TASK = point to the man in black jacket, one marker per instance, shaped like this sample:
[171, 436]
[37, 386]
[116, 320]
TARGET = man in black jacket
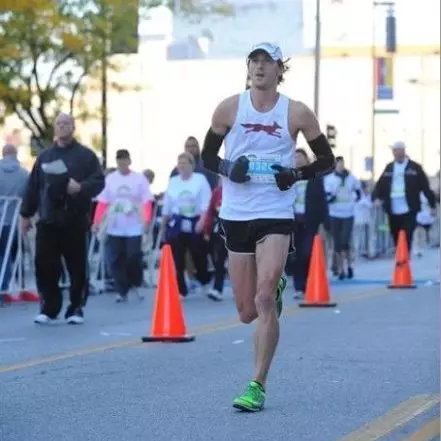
[310, 211]
[63, 181]
[399, 189]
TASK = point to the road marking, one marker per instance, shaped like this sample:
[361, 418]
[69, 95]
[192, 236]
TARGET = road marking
[427, 433]
[12, 339]
[115, 334]
[197, 330]
[397, 417]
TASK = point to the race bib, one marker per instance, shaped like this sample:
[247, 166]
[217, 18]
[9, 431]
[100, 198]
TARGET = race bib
[260, 170]
[300, 188]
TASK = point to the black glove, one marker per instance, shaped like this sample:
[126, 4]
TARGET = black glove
[285, 177]
[236, 170]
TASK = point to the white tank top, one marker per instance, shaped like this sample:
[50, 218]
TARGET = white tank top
[265, 139]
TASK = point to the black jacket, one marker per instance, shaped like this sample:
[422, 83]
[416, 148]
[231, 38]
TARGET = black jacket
[316, 206]
[46, 193]
[415, 182]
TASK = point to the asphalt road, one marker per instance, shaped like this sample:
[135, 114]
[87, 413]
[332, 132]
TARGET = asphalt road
[367, 370]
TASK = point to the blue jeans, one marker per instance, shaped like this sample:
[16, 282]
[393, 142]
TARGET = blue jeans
[125, 257]
[6, 230]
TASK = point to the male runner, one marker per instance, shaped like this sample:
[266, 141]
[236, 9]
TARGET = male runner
[259, 128]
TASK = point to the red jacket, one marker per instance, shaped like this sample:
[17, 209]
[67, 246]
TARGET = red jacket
[213, 210]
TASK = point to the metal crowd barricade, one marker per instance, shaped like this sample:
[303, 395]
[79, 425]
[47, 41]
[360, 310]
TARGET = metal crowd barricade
[10, 242]
[14, 286]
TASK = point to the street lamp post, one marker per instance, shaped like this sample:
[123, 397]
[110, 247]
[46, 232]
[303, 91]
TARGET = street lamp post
[390, 48]
[317, 57]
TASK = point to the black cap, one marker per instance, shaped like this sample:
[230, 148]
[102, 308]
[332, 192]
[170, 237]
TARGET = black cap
[122, 154]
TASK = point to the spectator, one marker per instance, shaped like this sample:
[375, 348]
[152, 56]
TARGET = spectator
[217, 242]
[13, 179]
[150, 175]
[424, 220]
[185, 205]
[399, 188]
[341, 187]
[310, 210]
[362, 222]
[127, 203]
[64, 180]
[192, 147]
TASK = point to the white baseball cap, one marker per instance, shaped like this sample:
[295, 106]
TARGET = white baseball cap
[271, 49]
[398, 145]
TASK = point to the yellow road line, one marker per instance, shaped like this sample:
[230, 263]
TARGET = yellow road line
[198, 330]
[427, 433]
[397, 417]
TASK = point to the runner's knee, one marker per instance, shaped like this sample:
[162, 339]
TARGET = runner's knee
[247, 314]
[266, 289]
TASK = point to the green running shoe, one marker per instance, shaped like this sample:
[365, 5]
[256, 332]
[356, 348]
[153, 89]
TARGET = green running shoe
[279, 298]
[252, 400]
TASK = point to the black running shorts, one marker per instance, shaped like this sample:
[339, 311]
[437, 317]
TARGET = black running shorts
[243, 236]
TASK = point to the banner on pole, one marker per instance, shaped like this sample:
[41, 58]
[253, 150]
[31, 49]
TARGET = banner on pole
[384, 77]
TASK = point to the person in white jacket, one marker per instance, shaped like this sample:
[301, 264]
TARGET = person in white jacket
[424, 220]
[184, 210]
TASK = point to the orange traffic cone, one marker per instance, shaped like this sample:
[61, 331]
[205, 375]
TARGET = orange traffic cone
[402, 276]
[317, 286]
[168, 323]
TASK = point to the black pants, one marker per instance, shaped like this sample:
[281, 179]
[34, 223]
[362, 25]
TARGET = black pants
[341, 230]
[220, 254]
[53, 243]
[198, 250]
[406, 222]
[303, 240]
[125, 261]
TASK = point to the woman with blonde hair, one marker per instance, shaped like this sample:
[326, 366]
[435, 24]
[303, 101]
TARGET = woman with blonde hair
[186, 202]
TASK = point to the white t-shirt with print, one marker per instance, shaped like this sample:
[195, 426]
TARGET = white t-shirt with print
[344, 192]
[126, 196]
[187, 197]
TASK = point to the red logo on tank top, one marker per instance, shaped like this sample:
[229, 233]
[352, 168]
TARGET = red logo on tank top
[269, 130]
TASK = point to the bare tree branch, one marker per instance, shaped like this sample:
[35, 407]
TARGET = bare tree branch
[75, 90]
[56, 66]
[23, 118]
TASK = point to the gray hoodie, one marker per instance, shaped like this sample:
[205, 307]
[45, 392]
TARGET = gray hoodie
[13, 180]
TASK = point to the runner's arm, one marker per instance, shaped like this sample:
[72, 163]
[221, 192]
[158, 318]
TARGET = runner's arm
[318, 143]
[220, 125]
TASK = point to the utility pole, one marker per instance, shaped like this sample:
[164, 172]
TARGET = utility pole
[317, 58]
[104, 54]
[104, 109]
[390, 46]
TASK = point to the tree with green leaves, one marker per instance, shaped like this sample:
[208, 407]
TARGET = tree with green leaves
[48, 47]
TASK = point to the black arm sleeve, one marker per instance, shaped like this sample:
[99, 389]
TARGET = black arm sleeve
[325, 159]
[31, 195]
[94, 183]
[209, 155]
[425, 188]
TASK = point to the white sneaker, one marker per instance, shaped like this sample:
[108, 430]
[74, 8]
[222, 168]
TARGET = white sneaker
[214, 295]
[121, 299]
[75, 319]
[43, 319]
[202, 289]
